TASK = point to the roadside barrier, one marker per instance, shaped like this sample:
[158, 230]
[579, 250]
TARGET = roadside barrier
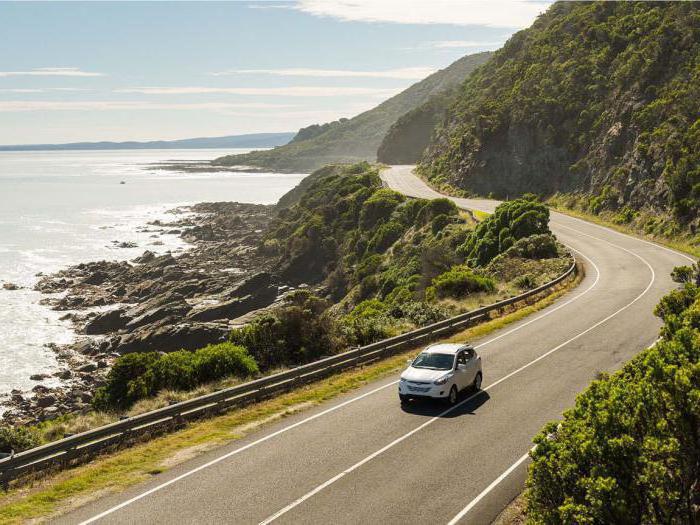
[81, 447]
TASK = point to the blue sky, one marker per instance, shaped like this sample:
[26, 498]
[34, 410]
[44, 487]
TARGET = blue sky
[164, 70]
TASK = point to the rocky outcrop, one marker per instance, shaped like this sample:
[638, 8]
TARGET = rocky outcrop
[155, 302]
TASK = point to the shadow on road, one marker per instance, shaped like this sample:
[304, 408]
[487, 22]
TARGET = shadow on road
[435, 407]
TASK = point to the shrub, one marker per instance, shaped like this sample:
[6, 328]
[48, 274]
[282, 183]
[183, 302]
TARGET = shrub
[297, 332]
[543, 246]
[525, 282]
[628, 450]
[17, 438]
[510, 222]
[460, 281]
[379, 207]
[140, 375]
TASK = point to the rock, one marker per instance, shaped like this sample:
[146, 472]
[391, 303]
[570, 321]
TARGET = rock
[125, 244]
[87, 367]
[257, 284]
[106, 322]
[86, 397]
[10, 286]
[235, 307]
[102, 364]
[64, 374]
[147, 256]
[96, 278]
[40, 389]
[45, 401]
[175, 309]
[170, 337]
[39, 377]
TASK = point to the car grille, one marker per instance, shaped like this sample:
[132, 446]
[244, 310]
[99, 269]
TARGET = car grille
[417, 386]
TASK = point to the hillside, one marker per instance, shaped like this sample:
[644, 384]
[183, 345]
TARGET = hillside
[597, 99]
[251, 140]
[358, 138]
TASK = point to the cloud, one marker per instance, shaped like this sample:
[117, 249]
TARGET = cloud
[461, 44]
[492, 13]
[291, 91]
[43, 105]
[406, 73]
[51, 72]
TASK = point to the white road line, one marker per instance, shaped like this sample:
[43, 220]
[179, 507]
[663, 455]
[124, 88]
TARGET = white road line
[488, 489]
[357, 465]
[232, 453]
[332, 409]
[500, 478]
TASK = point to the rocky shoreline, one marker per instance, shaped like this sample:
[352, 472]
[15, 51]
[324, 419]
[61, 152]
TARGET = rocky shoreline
[153, 303]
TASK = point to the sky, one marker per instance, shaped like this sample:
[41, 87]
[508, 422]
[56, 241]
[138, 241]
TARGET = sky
[91, 71]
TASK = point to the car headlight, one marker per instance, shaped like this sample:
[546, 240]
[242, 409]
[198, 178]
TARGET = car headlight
[442, 380]
[402, 380]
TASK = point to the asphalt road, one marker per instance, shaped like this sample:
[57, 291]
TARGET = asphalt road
[363, 459]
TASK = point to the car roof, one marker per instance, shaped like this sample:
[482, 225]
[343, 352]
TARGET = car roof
[447, 348]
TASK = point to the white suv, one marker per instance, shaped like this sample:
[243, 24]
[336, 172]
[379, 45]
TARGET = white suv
[441, 371]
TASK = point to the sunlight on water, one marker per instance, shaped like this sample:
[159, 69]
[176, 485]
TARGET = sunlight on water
[61, 208]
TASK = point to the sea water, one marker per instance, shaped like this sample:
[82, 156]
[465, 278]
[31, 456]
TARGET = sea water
[65, 207]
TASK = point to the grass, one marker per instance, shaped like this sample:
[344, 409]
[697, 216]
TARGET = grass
[61, 492]
[680, 243]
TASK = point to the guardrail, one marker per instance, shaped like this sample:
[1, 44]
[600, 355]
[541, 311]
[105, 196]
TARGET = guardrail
[82, 446]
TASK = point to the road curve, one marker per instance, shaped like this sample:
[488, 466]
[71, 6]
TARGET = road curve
[363, 459]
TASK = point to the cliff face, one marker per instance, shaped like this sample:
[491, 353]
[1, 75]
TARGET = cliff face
[355, 139]
[601, 98]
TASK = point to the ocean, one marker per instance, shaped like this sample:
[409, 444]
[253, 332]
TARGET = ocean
[65, 207]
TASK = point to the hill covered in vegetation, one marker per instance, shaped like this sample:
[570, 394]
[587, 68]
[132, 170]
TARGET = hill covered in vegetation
[600, 99]
[355, 139]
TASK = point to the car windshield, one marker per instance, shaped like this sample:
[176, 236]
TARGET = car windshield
[433, 361]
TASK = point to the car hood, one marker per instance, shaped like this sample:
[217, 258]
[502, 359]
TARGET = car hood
[422, 374]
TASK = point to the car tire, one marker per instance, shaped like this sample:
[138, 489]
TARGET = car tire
[476, 386]
[451, 398]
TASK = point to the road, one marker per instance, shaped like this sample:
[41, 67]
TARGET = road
[363, 459]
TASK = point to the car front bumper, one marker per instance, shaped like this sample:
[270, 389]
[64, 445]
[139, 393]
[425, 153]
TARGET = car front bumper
[410, 389]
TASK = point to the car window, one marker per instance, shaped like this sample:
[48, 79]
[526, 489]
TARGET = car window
[461, 358]
[468, 354]
[433, 361]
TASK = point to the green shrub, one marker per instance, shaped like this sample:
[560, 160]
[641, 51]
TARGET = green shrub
[510, 222]
[297, 332]
[525, 282]
[378, 207]
[18, 438]
[460, 281]
[628, 451]
[542, 246]
[140, 375]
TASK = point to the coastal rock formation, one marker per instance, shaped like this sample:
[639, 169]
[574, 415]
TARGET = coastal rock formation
[155, 302]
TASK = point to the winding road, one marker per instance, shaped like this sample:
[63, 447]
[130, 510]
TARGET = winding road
[363, 459]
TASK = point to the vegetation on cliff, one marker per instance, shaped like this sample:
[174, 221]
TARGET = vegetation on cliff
[596, 97]
[628, 451]
[355, 139]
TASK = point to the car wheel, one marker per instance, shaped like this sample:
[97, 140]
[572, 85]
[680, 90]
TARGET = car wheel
[477, 382]
[452, 396]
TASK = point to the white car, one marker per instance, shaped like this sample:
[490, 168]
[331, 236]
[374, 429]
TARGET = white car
[441, 371]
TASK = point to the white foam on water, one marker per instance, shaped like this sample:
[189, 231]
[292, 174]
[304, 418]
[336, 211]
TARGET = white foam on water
[63, 208]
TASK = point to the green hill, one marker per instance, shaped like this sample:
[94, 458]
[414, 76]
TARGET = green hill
[600, 100]
[355, 139]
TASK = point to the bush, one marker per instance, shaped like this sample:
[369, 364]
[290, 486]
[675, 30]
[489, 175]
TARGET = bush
[378, 207]
[628, 450]
[297, 332]
[510, 222]
[17, 438]
[140, 375]
[460, 281]
[543, 246]
[525, 282]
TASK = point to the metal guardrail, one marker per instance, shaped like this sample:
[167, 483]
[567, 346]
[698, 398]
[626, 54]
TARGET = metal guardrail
[86, 444]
